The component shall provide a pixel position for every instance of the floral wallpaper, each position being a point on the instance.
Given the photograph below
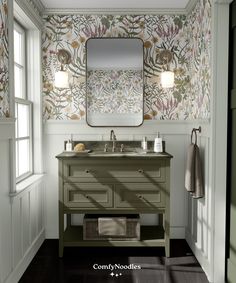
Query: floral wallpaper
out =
(199, 31)
(4, 76)
(183, 35)
(119, 91)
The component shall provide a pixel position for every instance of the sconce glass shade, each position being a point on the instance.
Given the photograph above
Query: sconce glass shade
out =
(167, 79)
(61, 79)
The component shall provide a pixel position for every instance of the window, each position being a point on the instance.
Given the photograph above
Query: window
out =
(23, 107)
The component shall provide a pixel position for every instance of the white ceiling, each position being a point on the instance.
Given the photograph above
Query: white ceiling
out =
(115, 4)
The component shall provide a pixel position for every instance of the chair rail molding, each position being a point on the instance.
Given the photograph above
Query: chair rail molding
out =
(7, 128)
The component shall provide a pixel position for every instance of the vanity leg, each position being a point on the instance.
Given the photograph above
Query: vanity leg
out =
(167, 234)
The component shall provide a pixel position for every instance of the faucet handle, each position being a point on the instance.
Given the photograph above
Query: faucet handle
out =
(106, 147)
(122, 148)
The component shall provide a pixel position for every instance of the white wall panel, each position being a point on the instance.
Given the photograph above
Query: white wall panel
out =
(17, 231)
(25, 215)
(199, 231)
(21, 215)
(5, 211)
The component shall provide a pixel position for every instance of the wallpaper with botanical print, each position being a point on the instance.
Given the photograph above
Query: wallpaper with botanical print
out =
(4, 94)
(199, 31)
(119, 91)
(183, 35)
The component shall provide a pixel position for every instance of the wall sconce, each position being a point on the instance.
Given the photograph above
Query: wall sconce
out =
(167, 76)
(62, 76)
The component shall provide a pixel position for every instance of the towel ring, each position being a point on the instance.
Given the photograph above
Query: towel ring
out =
(194, 130)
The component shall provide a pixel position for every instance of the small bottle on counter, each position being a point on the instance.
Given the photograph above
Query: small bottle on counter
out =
(144, 143)
(158, 143)
(69, 145)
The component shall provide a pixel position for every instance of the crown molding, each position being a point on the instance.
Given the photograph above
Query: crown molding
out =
(112, 11)
(38, 5)
(119, 11)
(28, 8)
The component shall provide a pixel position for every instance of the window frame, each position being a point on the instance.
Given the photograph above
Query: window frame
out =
(20, 29)
(23, 101)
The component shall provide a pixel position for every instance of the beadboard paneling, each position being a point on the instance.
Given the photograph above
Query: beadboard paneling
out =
(5, 212)
(27, 222)
(199, 230)
(21, 215)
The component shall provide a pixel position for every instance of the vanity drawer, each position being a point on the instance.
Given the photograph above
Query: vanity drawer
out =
(143, 169)
(88, 195)
(140, 195)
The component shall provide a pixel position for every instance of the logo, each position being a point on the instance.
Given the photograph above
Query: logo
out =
(116, 268)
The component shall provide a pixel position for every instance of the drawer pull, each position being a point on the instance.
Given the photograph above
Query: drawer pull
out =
(86, 196)
(87, 171)
(140, 171)
(140, 196)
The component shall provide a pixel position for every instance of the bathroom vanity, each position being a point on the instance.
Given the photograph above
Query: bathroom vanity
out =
(114, 183)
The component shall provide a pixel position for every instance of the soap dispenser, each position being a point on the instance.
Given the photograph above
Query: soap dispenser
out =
(69, 145)
(144, 143)
(158, 143)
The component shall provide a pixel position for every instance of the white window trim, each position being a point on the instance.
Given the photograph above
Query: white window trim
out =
(30, 137)
(33, 24)
(24, 65)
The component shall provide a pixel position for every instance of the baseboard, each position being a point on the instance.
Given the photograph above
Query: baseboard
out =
(202, 259)
(16, 273)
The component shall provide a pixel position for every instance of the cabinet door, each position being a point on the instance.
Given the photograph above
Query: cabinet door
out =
(88, 195)
(140, 195)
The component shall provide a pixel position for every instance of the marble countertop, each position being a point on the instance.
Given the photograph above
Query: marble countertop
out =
(95, 149)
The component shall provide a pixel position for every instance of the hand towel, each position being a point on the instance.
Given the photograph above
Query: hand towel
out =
(198, 180)
(193, 175)
(115, 226)
(190, 168)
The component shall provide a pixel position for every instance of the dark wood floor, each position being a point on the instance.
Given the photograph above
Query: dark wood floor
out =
(77, 265)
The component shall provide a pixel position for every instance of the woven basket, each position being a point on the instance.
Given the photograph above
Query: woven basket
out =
(90, 227)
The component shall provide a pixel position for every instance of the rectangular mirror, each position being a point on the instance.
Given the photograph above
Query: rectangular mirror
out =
(114, 80)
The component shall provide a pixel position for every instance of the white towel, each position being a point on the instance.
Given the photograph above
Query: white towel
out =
(193, 175)
(115, 226)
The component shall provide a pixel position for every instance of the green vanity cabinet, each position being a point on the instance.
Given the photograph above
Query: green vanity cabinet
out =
(106, 184)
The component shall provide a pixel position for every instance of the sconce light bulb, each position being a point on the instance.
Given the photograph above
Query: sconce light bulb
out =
(61, 79)
(167, 79)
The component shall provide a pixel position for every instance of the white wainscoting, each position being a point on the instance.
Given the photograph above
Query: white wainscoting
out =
(199, 230)
(21, 215)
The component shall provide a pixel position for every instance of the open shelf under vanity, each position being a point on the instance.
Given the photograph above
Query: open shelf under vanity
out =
(151, 236)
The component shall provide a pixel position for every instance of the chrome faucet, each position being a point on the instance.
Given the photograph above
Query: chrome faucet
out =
(113, 139)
